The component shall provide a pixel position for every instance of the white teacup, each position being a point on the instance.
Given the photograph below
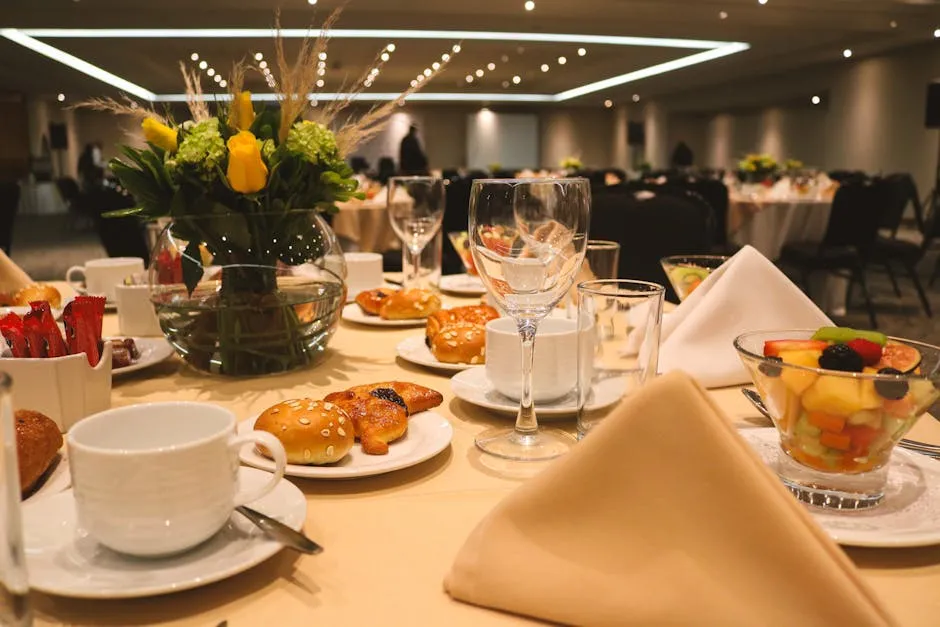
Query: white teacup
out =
(363, 272)
(160, 478)
(102, 275)
(136, 315)
(555, 372)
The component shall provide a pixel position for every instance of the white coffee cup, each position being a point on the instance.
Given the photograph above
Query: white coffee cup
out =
(136, 315)
(101, 275)
(555, 372)
(363, 272)
(160, 478)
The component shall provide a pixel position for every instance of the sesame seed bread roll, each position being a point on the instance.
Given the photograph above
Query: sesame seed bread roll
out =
(312, 432)
(410, 305)
(460, 343)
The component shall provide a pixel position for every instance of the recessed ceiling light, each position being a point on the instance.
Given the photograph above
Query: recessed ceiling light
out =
(435, 66)
(479, 73)
(374, 71)
(936, 33)
(491, 66)
(608, 104)
(505, 84)
(636, 97)
(385, 56)
(266, 71)
(217, 78)
(414, 83)
(211, 71)
(469, 78)
(194, 56)
(321, 83)
(367, 84)
(562, 60)
(847, 53)
(582, 52)
(722, 15)
(545, 67)
(390, 47)
(427, 71)
(322, 56)
(203, 65)
(60, 97)
(445, 57)
(311, 2)
(815, 100)
(223, 83)
(529, 5)
(516, 80)
(420, 78)
(258, 56)
(504, 58)
(893, 23)
(263, 64)
(456, 48)
(321, 72)
(761, 1)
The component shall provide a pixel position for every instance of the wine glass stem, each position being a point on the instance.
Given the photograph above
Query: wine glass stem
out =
(415, 267)
(526, 422)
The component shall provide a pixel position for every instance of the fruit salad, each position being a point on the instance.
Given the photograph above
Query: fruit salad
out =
(688, 272)
(842, 398)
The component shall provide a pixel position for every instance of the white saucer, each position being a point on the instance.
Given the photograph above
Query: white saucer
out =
(463, 284)
(351, 296)
(428, 434)
(153, 350)
(909, 515)
(417, 352)
(63, 561)
(474, 387)
(354, 313)
(54, 480)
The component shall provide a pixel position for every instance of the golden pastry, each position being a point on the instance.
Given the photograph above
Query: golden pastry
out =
(312, 432)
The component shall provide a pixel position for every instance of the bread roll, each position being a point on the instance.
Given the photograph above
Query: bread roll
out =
(371, 300)
(460, 343)
(37, 445)
(437, 321)
(378, 420)
(38, 291)
(312, 432)
(410, 305)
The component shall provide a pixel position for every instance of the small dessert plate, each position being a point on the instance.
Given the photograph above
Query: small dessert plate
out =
(153, 350)
(909, 515)
(64, 561)
(417, 352)
(54, 480)
(354, 313)
(462, 284)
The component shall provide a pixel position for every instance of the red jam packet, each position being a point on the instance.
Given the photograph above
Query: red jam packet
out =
(83, 319)
(52, 343)
(11, 327)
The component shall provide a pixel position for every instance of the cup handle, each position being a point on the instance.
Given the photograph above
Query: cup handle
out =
(75, 285)
(280, 462)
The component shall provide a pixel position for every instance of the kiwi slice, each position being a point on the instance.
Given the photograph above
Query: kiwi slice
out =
(842, 335)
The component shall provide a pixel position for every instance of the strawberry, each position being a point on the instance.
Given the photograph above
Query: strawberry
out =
(772, 348)
(870, 352)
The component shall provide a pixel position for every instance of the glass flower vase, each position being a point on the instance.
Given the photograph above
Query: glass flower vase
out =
(248, 294)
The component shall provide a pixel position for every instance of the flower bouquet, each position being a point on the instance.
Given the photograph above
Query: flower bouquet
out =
(245, 189)
(571, 164)
(758, 169)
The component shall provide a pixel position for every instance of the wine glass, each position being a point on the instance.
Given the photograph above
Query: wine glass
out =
(416, 210)
(528, 238)
(14, 587)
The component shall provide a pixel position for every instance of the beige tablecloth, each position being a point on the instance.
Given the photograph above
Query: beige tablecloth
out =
(391, 539)
(364, 226)
(769, 224)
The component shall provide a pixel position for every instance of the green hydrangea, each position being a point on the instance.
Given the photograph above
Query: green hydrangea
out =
(202, 146)
(313, 142)
(267, 147)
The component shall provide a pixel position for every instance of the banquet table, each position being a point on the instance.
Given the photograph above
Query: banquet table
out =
(768, 224)
(390, 539)
(364, 226)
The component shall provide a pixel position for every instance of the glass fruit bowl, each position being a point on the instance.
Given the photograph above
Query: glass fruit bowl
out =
(686, 272)
(461, 243)
(841, 400)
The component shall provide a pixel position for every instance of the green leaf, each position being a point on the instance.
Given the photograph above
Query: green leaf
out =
(123, 213)
(192, 266)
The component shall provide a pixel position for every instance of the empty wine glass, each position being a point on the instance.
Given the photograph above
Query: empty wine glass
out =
(528, 239)
(415, 209)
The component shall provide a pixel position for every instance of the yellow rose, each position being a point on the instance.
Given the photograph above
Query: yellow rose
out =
(241, 115)
(159, 134)
(246, 171)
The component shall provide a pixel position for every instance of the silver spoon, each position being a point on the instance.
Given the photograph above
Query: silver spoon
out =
(931, 450)
(280, 532)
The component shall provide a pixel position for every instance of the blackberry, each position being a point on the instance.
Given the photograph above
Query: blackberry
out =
(388, 394)
(891, 390)
(769, 369)
(841, 357)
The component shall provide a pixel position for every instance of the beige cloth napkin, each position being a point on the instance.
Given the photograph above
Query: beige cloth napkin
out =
(12, 277)
(748, 293)
(663, 515)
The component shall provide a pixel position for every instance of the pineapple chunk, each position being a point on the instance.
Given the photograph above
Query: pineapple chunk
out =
(840, 396)
(798, 380)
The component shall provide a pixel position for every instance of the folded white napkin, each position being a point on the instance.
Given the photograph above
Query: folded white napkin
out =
(748, 293)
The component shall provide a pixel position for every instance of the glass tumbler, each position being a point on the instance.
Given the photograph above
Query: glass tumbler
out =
(623, 319)
(14, 587)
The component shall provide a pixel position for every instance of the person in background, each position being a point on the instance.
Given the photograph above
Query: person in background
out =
(412, 159)
(90, 167)
(682, 156)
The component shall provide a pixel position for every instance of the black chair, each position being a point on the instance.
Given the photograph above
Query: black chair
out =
(386, 170)
(456, 217)
(847, 246)
(650, 228)
(9, 205)
(121, 237)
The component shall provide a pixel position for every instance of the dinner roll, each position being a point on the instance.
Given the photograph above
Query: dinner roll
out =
(35, 292)
(460, 343)
(410, 305)
(312, 432)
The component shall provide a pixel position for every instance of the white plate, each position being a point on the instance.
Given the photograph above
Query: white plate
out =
(463, 284)
(22, 311)
(428, 434)
(908, 516)
(54, 480)
(354, 313)
(63, 561)
(474, 387)
(153, 350)
(417, 352)
(351, 297)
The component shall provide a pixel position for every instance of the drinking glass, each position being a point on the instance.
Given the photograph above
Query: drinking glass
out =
(429, 265)
(14, 588)
(623, 320)
(602, 259)
(415, 209)
(528, 238)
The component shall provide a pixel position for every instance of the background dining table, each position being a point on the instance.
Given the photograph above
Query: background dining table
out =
(390, 539)
(362, 225)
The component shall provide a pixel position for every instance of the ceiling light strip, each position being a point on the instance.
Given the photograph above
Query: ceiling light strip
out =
(380, 97)
(361, 33)
(75, 63)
